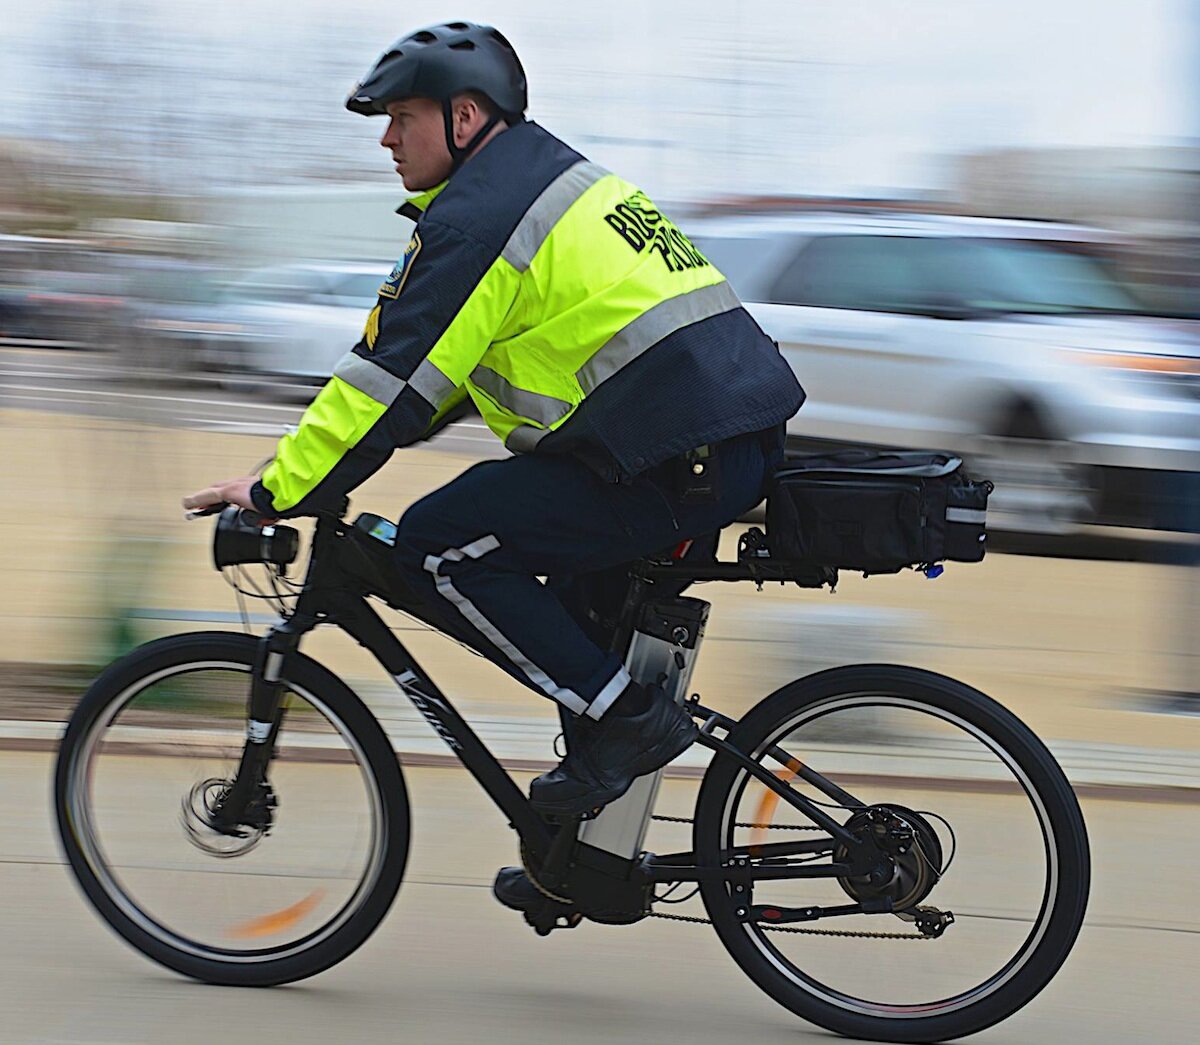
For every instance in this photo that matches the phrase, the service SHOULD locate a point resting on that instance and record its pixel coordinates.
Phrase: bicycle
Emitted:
(320, 846)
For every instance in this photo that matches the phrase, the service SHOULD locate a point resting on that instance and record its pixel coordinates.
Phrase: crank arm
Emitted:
(554, 869)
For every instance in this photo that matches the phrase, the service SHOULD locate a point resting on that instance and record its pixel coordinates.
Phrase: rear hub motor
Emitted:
(910, 856)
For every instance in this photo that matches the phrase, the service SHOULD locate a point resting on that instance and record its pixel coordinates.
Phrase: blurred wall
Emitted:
(1155, 190)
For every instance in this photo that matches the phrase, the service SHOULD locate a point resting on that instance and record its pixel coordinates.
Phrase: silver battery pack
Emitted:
(662, 651)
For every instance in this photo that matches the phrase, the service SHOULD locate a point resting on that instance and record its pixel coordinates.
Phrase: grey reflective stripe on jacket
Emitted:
(537, 407)
(627, 345)
(385, 387)
(651, 327)
(547, 210)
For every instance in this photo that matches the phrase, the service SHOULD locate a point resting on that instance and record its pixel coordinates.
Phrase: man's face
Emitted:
(416, 138)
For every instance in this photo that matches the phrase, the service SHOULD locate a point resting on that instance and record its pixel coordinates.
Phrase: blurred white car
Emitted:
(295, 320)
(1010, 343)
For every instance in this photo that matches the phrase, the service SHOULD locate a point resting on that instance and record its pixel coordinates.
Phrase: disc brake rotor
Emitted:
(198, 815)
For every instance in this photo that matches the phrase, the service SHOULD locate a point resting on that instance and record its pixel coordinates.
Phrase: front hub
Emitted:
(205, 819)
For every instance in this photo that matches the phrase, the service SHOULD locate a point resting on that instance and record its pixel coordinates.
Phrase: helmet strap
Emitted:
(458, 156)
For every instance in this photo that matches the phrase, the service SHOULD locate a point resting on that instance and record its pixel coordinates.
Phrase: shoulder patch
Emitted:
(371, 330)
(395, 282)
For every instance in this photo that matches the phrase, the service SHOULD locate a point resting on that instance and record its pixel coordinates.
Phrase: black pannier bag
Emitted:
(875, 511)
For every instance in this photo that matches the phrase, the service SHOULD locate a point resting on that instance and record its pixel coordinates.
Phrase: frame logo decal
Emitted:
(427, 707)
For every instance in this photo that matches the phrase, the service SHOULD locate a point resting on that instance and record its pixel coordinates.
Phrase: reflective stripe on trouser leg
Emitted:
(608, 694)
(567, 697)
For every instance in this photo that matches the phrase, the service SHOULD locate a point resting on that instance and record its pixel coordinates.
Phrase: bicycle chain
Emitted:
(707, 921)
(801, 929)
(782, 928)
(763, 827)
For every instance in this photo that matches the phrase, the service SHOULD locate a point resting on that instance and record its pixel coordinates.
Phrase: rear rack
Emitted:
(753, 564)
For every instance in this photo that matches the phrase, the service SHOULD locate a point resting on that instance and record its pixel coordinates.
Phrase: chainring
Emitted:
(531, 871)
(598, 896)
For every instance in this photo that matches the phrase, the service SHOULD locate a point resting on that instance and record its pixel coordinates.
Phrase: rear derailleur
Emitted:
(930, 921)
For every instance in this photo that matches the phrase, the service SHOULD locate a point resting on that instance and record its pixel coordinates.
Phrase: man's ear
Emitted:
(467, 120)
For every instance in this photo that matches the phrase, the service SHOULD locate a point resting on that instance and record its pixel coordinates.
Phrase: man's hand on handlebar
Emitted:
(215, 497)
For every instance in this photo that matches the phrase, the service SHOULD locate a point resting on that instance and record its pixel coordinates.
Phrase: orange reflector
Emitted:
(269, 924)
(1150, 364)
(768, 803)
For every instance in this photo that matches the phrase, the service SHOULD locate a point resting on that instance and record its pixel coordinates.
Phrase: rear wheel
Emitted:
(149, 754)
(978, 822)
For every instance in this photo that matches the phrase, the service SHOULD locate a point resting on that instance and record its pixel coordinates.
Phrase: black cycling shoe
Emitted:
(513, 888)
(609, 755)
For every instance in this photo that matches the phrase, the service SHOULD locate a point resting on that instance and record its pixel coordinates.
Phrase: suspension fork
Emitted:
(264, 708)
(264, 718)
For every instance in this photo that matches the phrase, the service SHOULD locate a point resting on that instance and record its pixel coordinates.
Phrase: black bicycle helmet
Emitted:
(441, 62)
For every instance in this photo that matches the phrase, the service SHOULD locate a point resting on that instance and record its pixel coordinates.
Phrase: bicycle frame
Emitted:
(330, 595)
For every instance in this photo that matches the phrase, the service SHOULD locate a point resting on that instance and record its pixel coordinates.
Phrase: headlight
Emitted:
(239, 540)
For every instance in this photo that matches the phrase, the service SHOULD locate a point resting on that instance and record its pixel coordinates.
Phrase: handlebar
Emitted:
(253, 518)
(245, 516)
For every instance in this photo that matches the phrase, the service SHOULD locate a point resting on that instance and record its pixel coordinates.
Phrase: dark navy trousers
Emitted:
(475, 551)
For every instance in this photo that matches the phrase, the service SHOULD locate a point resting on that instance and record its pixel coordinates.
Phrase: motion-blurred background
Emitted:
(970, 226)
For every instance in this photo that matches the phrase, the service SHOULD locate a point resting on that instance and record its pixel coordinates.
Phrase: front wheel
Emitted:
(984, 873)
(149, 754)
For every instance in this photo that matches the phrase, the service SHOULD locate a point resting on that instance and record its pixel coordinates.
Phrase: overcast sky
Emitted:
(685, 96)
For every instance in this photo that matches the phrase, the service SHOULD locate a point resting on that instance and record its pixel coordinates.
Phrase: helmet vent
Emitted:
(463, 45)
(458, 27)
(425, 37)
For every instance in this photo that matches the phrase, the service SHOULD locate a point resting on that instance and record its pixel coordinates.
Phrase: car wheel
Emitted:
(1040, 486)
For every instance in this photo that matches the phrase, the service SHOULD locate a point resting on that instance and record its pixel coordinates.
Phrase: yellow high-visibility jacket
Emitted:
(576, 316)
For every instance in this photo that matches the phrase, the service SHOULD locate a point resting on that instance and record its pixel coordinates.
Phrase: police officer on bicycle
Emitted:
(642, 404)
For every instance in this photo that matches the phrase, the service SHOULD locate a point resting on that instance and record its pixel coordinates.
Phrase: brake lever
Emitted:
(192, 514)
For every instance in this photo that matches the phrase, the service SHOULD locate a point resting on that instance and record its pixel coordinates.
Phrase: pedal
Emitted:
(550, 916)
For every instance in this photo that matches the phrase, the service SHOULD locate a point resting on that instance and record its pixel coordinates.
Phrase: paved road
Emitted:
(451, 966)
